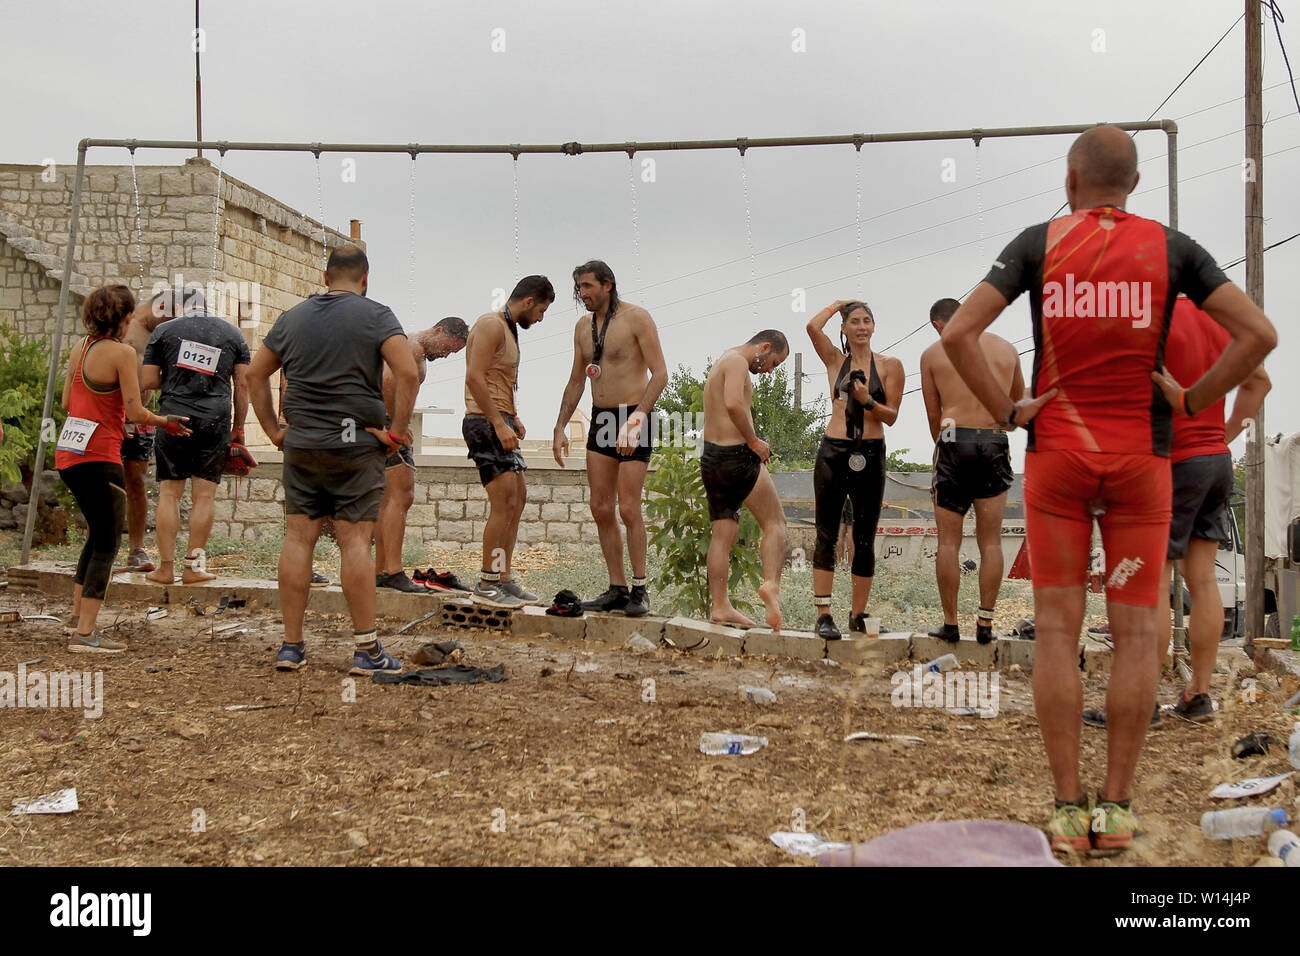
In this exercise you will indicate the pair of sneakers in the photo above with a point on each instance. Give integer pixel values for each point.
(633, 602)
(505, 594)
(364, 661)
(1087, 824)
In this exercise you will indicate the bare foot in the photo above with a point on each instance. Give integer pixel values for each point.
(192, 576)
(163, 575)
(770, 592)
(729, 615)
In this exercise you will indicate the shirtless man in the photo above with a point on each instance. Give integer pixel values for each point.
(731, 464)
(972, 465)
(622, 357)
(445, 338)
(137, 447)
(492, 431)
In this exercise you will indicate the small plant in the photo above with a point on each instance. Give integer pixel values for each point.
(680, 531)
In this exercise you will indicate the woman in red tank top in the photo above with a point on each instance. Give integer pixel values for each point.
(102, 387)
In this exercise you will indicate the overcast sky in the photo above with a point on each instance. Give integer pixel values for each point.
(400, 72)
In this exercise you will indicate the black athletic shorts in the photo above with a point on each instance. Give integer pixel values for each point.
(1202, 493)
(970, 463)
(138, 445)
(486, 451)
(730, 473)
(606, 423)
(342, 483)
(202, 454)
(403, 456)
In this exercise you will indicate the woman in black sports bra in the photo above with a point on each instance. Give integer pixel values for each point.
(866, 390)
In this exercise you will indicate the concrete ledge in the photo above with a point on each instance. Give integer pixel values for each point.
(617, 628)
(530, 623)
(1015, 651)
(464, 614)
(800, 645)
(886, 648)
(1095, 659)
(968, 650)
(689, 634)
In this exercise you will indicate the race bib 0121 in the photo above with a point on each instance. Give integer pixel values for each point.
(198, 357)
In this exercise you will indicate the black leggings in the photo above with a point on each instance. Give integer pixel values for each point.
(100, 490)
(833, 481)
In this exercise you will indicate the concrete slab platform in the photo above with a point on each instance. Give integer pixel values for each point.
(1012, 650)
(688, 634)
(800, 645)
(968, 650)
(618, 628)
(532, 623)
(1095, 659)
(883, 649)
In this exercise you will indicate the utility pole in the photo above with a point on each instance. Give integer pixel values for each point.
(798, 380)
(1254, 176)
(198, 82)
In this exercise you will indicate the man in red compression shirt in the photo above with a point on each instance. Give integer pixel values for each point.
(1102, 284)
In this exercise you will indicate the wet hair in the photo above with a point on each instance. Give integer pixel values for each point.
(176, 300)
(453, 327)
(106, 310)
(773, 338)
(347, 262)
(602, 273)
(537, 287)
(943, 310)
(845, 311)
(1105, 157)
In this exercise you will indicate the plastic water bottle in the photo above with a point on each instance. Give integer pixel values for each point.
(941, 664)
(1293, 748)
(1285, 845)
(757, 695)
(1241, 822)
(718, 744)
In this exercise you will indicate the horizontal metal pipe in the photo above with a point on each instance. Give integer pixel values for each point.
(573, 149)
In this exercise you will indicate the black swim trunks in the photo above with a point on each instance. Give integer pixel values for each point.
(485, 448)
(201, 454)
(342, 483)
(969, 464)
(730, 473)
(606, 423)
(403, 456)
(1202, 492)
(138, 443)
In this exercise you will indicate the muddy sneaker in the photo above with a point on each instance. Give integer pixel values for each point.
(858, 622)
(1199, 709)
(374, 662)
(1114, 825)
(948, 632)
(1068, 825)
(614, 598)
(94, 643)
(291, 656)
(493, 596)
(138, 560)
(826, 629)
(398, 581)
(1096, 717)
(319, 580)
(638, 602)
(515, 589)
(984, 633)
(71, 621)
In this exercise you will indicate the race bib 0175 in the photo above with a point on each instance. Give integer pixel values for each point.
(75, 436)
(198, 357)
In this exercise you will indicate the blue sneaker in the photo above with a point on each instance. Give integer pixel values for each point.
(363, 662)
(291, 656)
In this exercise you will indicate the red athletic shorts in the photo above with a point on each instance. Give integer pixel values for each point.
(1131, 498)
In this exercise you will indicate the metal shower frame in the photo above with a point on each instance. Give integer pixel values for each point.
(857, 140)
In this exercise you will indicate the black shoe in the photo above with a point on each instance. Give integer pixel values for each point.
(399, 582)
(319, 580)
(1095, 717)
(949, 632)
(614, 599)
(638, 603)
(1199, 709)
(566, 604)
(858, 622)
(826, 629)
(984, 633)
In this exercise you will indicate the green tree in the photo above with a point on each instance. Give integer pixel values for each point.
(894, 461)
(794, 433)
(24, 363)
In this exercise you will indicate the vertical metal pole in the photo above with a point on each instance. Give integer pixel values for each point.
(1171, 139)
(198, 82)
(798, 380)
(1255, 289)
(56, 350)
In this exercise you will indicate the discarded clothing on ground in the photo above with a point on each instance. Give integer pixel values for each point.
(438, 676)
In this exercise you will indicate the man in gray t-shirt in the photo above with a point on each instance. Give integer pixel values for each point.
(196, 362)
(332, 349)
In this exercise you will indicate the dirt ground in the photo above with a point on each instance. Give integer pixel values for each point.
(564, 763)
